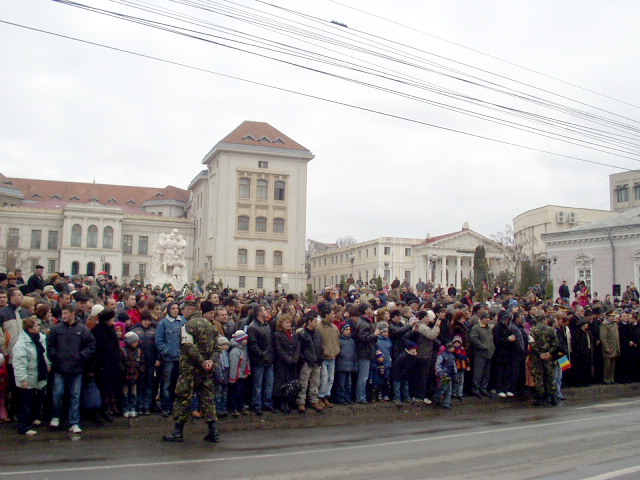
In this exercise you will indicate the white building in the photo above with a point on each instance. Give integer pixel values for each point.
(249, 210)
(624, 190)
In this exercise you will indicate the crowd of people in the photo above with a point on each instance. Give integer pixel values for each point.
(79, 349)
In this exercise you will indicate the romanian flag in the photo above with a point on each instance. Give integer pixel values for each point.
(564, 363)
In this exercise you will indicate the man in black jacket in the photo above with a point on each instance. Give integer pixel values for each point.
(365, 336)
(261, 357)
(36, 282)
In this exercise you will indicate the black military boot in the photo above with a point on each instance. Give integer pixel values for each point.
(177, 435)
(213, 435)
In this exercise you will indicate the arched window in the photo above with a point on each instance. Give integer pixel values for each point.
(259, 257)
(261, 224)
(76, 236)
(278, 225)
(107, 237)
(277, 258)
(75, 268)
(245, 188)
(92, 237)
(91, 269)
(242, 256)
(243, 223)
(278, 192)
(263, 187)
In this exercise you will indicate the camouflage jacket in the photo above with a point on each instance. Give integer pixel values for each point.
(199, 343)
(545, 341)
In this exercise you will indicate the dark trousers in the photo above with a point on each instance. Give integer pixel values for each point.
(503, 374)
(236, 395)
(421, 377)
(30, 405)
(481, 372)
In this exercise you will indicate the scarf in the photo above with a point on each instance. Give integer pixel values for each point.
(42, 363)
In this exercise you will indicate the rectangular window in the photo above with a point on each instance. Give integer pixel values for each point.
(52, 243)
(34, 262)
(13, 239)
(127, 244)
(36, 238)
(259, 257)
(242, 256)
(387, 250)
(51, 266)
(277, 258)
(623, 194)
(260, 282)
(245, 188)
(584, 274)
(142, 271)
(242, 282)
(407, 275)
(407, 252)
(143, 245)
(263, 187)
(263, 164)
(375, 251)
(359, 254)
(277, 282)
(125, 269)
(636, 191)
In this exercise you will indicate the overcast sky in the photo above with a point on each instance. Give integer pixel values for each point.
(73, 111)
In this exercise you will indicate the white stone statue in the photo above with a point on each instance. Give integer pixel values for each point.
(169, 264)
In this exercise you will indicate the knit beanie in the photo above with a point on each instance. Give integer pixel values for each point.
(131, 338)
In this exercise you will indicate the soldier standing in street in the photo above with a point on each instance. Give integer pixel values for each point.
(199, 356)
(543, 356)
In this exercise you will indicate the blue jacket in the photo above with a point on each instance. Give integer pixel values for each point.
(168, 338)
(385, 345)
(446, 365)
(347, 360)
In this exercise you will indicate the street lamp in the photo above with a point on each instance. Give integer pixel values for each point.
(352, 258)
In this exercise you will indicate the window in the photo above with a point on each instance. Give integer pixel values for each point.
(277, 258)
(36, 238)
(636, 191)
(142, 271)
(107, 268)
(127, 244)
(125, 269)
(260, 282)
(387, 250)
(242, 281)
(261, 224)
(13, 239)
(107, 237)
(52, 241)
(407, 275)
(276, 283)
(366, 253)
(278, 193)
(51, 266)
(76, 236)
(75, 268)
(375, 251)
(243, 223)
(278, 225)
(623, 194)
(242, 256)
(263, 164)
(584, 274)
(407, 252)
(92, 237)
(387, 274)
(245, 188)
(259, 257)
(263, 187)
(34, 262)
(143, 245)
(91, 269)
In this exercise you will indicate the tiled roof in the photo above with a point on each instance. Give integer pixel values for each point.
(261, 134)
(440, 237)
(43, 190)
(54, 204)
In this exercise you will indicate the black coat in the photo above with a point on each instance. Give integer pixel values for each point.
(397, 333)
(285, 362)
(70, 348)
(365, 339)
(582, 345)
(311, 347)
(260, 343)
(107, 363)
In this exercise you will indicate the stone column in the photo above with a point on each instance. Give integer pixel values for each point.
(443, 268)
(458, 281)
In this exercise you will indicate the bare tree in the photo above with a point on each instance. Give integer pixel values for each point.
(12, 256)
(346, 241)
(512, 251)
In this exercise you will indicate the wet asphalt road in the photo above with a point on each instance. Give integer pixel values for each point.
(570, 442)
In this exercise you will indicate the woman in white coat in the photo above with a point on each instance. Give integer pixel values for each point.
(30, 366)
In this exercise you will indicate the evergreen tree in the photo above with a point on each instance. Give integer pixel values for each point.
(480, 267)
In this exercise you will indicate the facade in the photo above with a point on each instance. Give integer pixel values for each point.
(529, 226)
(604, 253)
(444, 260)
(624, 190)
(249, 210)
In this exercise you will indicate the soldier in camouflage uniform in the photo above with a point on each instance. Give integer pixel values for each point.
(543, 356)
(199, 356)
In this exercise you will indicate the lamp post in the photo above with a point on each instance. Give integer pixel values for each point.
(352, 258)
(386, 269)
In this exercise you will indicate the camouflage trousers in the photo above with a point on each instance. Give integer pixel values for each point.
(204, 386)
(543, 374)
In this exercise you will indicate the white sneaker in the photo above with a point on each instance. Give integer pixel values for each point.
(75, 429)
(55, 422)
(37, 422)
(502, 395)
(133, 414)
(126, 415)
(509, 394)
(427, 401)
(31, 433)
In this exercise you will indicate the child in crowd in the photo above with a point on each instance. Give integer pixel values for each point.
(222, 377)
(4, 389)
(133, 361)
(446, 371)
(401, 371)
(381, 372)
(346, 365)
(121, 329)
(462, 364)
(239, 371)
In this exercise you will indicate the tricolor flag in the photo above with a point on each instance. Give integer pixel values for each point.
(564, 363)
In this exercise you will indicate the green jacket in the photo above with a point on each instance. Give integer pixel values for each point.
(199, 343)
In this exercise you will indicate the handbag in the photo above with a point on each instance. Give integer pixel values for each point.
(91, 399)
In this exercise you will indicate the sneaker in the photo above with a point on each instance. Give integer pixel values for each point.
(126, 415)
(37, 422)
(146, 412)
(30, 433)
(133, 414)
(502, 395)
(75, 429)
(509, 394)
(55, 422)
(427, 401)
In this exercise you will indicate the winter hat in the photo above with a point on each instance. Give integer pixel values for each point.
(408, 345)
(222, 340)
(96, 309)
(344, 327)
(122, 326)
(379, 354)
(457, 338)
(240, 335)
(131, 338)
(48, 288)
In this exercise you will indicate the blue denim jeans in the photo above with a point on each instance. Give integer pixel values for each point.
(145, 388)
(222, 392)
(74, 383)
(326, 377)
(343, 387)
(129, 397)
(169, 379)
(363, 376)
(557, 374)
(262, 386)
(443, 394)
(401, 390)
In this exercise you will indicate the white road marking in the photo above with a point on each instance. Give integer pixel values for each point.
(316, 451)
(608, 405)
(614, 474)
